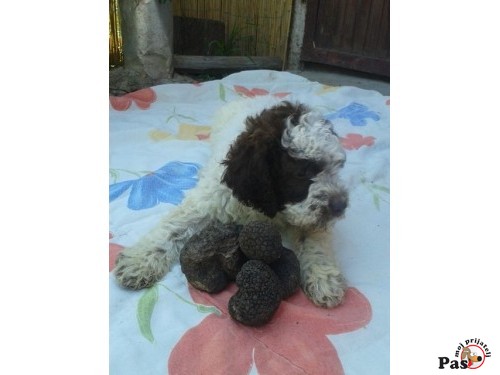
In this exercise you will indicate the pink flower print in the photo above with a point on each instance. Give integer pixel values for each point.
(293, 342)
(114, 250)
(356, 141)
(281, 95)
(142, 98)
(252, 93)
(203, 136)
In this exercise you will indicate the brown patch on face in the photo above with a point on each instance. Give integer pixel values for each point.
(298, 175)
(259, 171)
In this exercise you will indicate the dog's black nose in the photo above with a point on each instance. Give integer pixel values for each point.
(479, 358)
(337, 208)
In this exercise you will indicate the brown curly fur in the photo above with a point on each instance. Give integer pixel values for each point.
(259, 171)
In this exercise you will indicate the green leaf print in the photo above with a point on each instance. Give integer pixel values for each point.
(178, 117)
(113, 175)
(208, 309)
(376, 201)
(222, 92)
(199, 307)
(374, 190)
(145, 309)
(381, 188)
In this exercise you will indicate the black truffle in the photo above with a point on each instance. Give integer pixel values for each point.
(258, 296)
(220, 253)
(260, 240)
(211, 258)
(287, 268)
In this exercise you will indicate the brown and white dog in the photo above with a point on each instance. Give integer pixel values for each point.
(272, 161)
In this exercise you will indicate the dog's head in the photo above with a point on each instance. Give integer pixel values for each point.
(466, 353)
(287, 161)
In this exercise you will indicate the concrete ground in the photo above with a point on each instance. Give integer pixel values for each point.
(338, 77)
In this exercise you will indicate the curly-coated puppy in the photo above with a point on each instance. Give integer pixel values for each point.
(273, 161)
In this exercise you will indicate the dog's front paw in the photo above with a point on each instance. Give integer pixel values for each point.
(324, 285)
(137, 270)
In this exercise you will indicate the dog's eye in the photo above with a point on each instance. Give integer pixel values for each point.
(329, 125)
(307, 169)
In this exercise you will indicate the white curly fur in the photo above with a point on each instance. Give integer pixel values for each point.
(306, 226)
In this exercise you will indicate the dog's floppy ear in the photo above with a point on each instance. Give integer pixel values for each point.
(250, 172)
(465, 352)
(254, 170)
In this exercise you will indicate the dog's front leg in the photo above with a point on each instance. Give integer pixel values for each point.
(321, 278)
(145, 263)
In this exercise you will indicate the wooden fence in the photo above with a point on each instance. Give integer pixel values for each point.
(252, 27)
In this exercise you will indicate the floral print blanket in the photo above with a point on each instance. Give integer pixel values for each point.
(159, 140)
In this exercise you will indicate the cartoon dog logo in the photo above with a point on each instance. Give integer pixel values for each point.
(472, 358)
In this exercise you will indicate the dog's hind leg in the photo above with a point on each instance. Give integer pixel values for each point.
(145, 263)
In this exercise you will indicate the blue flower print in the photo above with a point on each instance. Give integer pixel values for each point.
(356, 113)
(164, 185)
